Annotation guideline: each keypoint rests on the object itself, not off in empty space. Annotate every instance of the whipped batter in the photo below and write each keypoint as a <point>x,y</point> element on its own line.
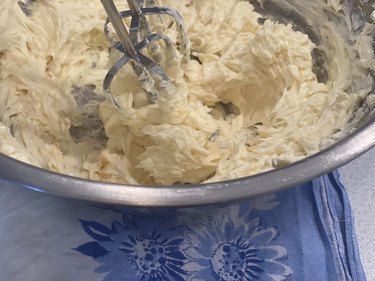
<point>247,99</point>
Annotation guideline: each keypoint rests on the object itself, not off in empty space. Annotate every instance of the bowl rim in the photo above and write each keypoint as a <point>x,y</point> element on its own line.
<point>341,152</point>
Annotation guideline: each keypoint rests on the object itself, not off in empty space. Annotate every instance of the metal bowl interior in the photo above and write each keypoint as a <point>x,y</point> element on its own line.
<point>191,195</point>
<point>359,138</point>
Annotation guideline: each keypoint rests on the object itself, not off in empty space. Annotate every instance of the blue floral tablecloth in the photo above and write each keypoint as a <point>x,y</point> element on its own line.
<point>304,233</point>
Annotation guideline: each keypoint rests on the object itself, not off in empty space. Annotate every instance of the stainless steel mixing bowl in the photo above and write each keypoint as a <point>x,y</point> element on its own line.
<point>357,141</point>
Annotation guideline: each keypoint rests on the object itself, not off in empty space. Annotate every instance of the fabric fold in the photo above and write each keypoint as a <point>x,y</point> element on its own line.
<point>300,234</point>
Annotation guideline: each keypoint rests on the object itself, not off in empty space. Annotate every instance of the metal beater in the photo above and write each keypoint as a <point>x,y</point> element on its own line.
<point>151,75</point>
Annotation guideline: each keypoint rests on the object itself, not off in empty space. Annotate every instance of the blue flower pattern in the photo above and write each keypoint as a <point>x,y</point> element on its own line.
<point>223,244</point>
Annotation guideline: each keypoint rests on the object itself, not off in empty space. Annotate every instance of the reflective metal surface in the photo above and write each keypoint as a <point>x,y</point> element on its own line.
<point>355,143</point>
<point>191,195</point>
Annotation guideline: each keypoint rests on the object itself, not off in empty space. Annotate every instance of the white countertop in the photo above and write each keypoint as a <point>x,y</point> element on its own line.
<point>359,179</point>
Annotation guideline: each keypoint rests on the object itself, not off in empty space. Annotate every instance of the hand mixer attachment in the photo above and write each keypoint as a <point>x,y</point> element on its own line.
<point>151,75</point>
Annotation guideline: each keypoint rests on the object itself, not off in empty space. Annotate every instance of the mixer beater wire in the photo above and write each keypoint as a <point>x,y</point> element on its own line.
<point>151,75</point>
